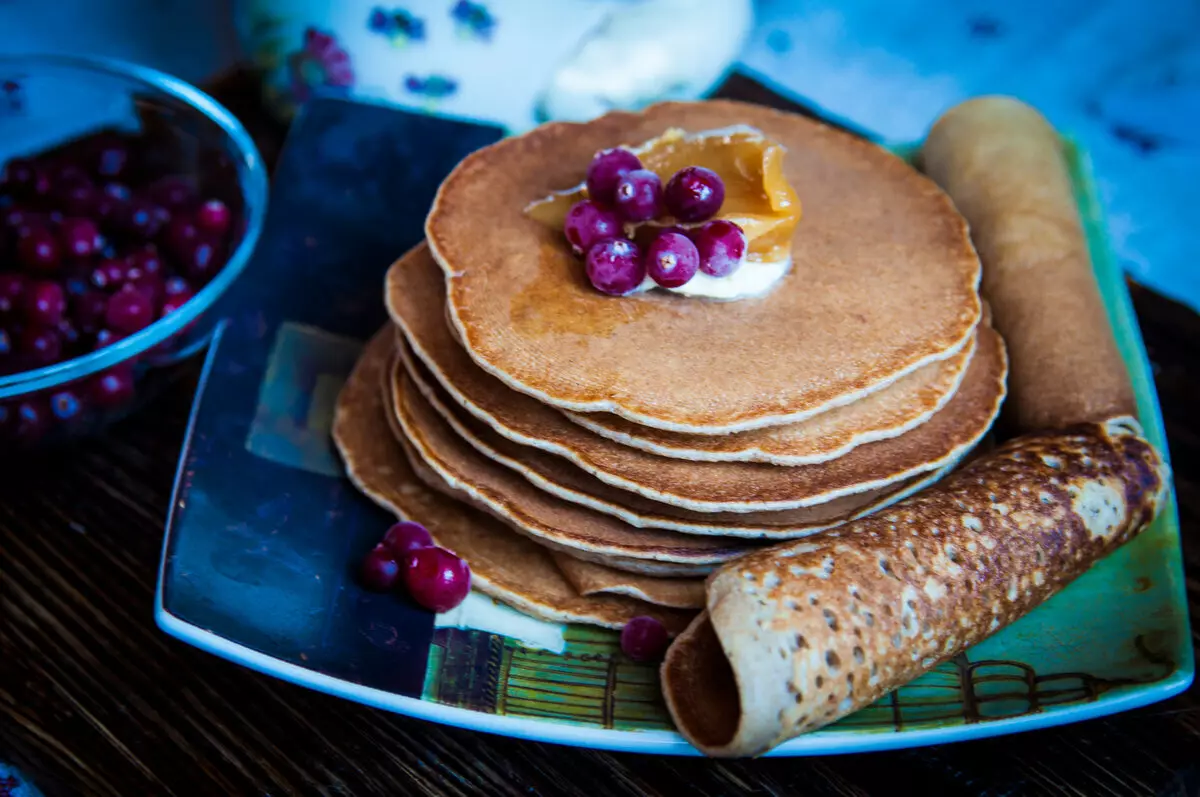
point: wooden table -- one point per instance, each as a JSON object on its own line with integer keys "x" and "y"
{"x": 95, "y": 700}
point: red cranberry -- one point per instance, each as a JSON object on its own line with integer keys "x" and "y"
{"x": 44, "y": 303}
{"x": 66, "y": 404}
{"x": 12, "y": 285}
{"x": 151, "y": 285}
{"x": 111, "y": 198}
{"x": 177, "y": 286}
{"x": 201, "y": 262}
{"x": 436, "y": 578}
{"x": 79, "y": 198}
{"x": 110, "y": 158}
{"x": 109, "y": 275}
{"x": 106, "y": 337}
{"x": 37, "y": 250}
{"x": 27, "y": 178}
{"x": 144, "y": 261}
{"x": 181, "y": 235}
{"x": 606, "y": 168}
{"x": 39, "y": 346}
{"x": 379, "y": 570}
{"x": 31, "y": 421}
{"x": 405, "y": 536}
{"x": 644, "y": 639}
{"x": 129, "y": 310}
{"x": 172, "y": 192}
{"x": 172, "y": 303}
{"x": 213, "y": 217}
{"x": 113, "y": 387}
{"x": 139, "y": 218}
{"x": 87, "y": 310}
{"x": 68, "y": 333}
{"x": 80, "y": 237}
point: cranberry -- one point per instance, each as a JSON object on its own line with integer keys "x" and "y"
{"x": 172, "y": 303}
{"x": 181, "y": 234}
{"x": 112, "y": 197}
{"x": 587, "y": 224}
{"x": 615, "y": 267}
{"x": 79, "y": 198}
{"x": 39, "y": 346}
{"x": 436, "y": 578}
{"x": 201, "y": 262}
{"x": 172, "y": 192}
{"x": 15, "y": 216}
{"x": 110, "y": 158}
{"x": 638, "y": 196}
{"x": 694, "y": 193}
{"x": 113, "y": 387}
{"x": 139, "y": 218}
{"x": 607, "y": 167}
{"x": 177, "y": 286}
{"x": 379, "y": 570}
{"x": 129, "y": 310}
{"x": 213, "y": 217}
{"x": 87, "y": 310}
{"x": 405, "y": 536}
{"x": 12, "y": 285}
{"x": 44, "y": 303}
{"x": 151, "y": 286}
{"x": 109, "y": 275}
{"x": 27, "y": 178}
{"x": 68, "y": 333}
{"x": 144, "y": 261}
{"x": 672, "y": 259}
{"x": 80, "y": 237}
{"x": 106, "y": 337}
{"x": 31, "y": 421}
{"x": 37, "y": 250}
{"x": 66, "y": 405}
{"x": 722, "y": 247}
{"x": 644, "y": 639}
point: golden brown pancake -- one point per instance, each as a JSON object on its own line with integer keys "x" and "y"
{"x": 564, "y": 480}
{"x": 555, "y": 523}
{"x": 413, "y": 300}
{"x": 886, "y": 413}
{"x": 504, "y": 565}
{"x": 590, "y": 578}
{"x": 884, "y": 280}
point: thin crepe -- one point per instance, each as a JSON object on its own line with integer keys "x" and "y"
{"x": 799, "y": 635}
{"x": 415, "y": 295}
{"x": 590, "y": 578}
{"x": 553, "y": 522}
{"x": 504, "y": 565}
{"x": 902, "y": 406}
{"x": 884, "y": 280}
{"x": 1003, "y": 166}
{"x": 565, "y": 480}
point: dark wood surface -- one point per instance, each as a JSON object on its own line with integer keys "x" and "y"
{"x": 94, "y": 699}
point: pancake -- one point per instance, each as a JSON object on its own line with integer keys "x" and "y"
{"x": 593, "y": 579}
{"x": 414, "y": 301}
{"x": 884, "y": 280}
{"x": 800, "y": 635}
{"x": 566, "y": 481}
{"x": 553, "y": 522}
{"x": 886, "y": 413}
{"x": 504, "y": 565}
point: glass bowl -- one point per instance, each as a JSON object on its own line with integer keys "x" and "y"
{"x": 155, "y": 152}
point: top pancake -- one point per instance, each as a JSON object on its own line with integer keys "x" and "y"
{"x": 884, "y": 280}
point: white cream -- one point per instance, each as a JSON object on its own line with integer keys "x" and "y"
{"x": 751, "y": 279}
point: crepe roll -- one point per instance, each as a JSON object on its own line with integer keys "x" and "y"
{"x": 798, "y": 635}
{"x": 1002, "y": 164}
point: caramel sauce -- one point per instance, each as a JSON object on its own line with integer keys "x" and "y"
{"x": 757, "y": 195}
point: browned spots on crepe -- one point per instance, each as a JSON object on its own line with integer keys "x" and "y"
{"x": 884, "y": 280}
{"x": 814, "y": 630}
{"x": 504, "y": 565}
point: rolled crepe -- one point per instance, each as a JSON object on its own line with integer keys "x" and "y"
{"x": 1003, "y": 166}
{"x": 799, "y": 635}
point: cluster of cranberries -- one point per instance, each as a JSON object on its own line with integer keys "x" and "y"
{"x": 622, "y": 194}
{"x": 94, "y": 247}
{"x": 434, "y": 577}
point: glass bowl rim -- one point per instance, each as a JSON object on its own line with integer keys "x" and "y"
{"x": 252, "y": 179}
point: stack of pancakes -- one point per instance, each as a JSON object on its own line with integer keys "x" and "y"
{"x": 619, "y": 449}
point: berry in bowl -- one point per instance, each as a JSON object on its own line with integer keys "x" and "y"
{"x": 129, "y": 202}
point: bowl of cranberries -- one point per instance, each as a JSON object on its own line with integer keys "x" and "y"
{"x": 129, "y": 203}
